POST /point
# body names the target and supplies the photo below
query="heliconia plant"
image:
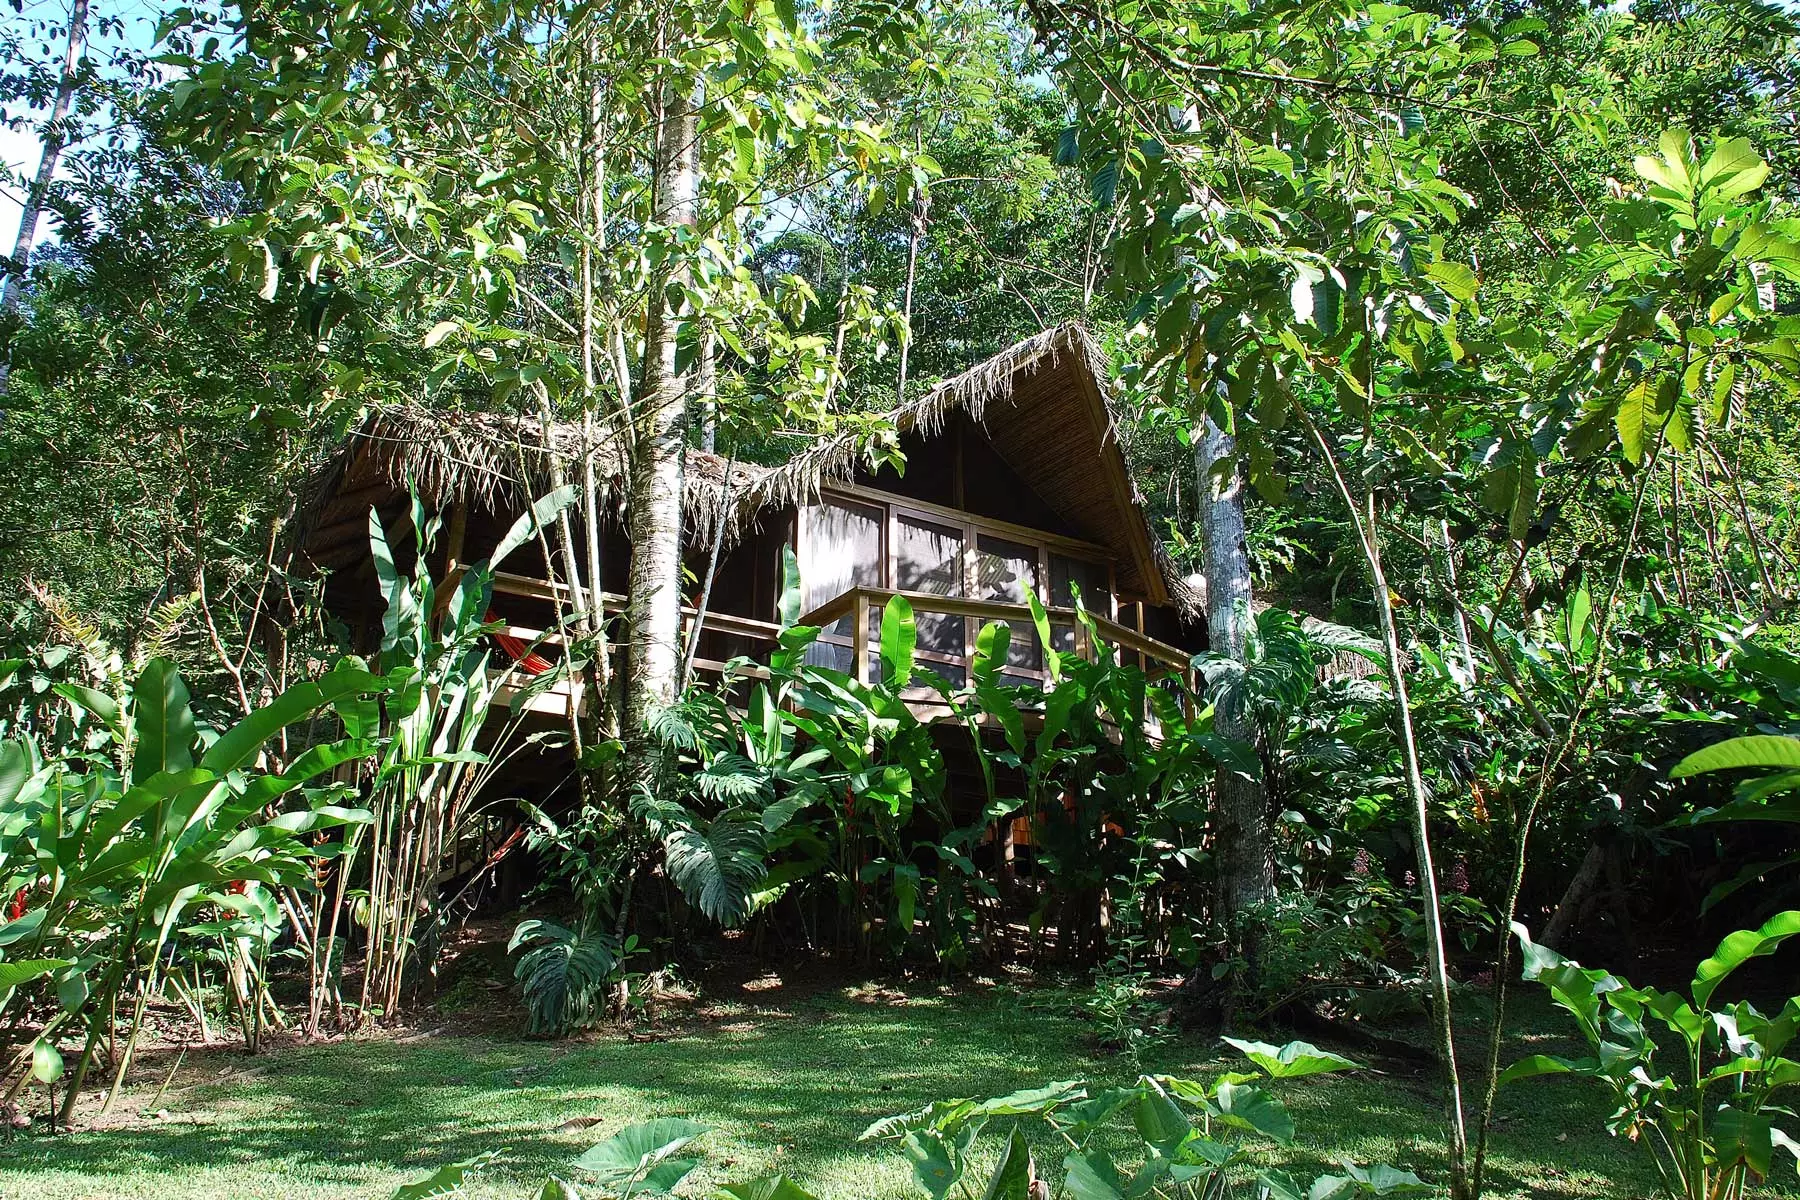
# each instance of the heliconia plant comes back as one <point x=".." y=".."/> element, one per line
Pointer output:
<point x="112" y="854"/>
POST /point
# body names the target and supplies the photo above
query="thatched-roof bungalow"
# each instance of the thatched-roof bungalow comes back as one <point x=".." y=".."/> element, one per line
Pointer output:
<point x="1014" y="476"/>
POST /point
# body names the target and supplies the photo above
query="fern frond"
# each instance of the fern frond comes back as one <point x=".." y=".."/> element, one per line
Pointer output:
<point x="163" y="627"/>
<point x="104" y="663"/>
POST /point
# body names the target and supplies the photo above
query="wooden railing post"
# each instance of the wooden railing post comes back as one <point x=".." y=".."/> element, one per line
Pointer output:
<point x="860" y="633"/>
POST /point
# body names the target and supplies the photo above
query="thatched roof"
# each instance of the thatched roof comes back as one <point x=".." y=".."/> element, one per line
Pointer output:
<point x="1041" y="402"/>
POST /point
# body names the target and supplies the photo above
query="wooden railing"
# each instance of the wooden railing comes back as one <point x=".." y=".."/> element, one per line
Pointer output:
<point x="1159" y="658"/>
<point x="508" y="584"/>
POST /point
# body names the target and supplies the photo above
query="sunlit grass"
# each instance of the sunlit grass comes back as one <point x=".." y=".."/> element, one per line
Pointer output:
<point x="789" y="1083"/>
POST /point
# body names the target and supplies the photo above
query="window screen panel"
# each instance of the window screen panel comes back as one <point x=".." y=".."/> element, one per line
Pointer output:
<point x="843" y="551"/>
<point x="928" y="558"/>
<point x="1004" y="570"/>
<point x="1066" y="575"/>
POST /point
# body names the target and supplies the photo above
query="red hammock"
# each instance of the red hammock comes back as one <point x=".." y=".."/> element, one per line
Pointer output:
<point x="529" y="661"/>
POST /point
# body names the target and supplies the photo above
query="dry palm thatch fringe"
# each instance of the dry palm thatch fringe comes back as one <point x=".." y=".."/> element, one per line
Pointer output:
<point x="500" y="460"/>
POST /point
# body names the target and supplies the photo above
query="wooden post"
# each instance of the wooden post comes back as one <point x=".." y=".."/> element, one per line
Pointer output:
<point x="860" y="634"/>
<point x="453" y="537"/>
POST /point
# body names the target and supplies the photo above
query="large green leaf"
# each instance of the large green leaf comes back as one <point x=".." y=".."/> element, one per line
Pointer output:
<point x="633" y="1152"/>
<point x="1739" y="948"/>
<point x="1014" y="1172"/>
<point x="1740" y="1136"/>
<point x="1032" y="1101"/>
<point x="720" y="866"/>
<point x="1092" y="1176"/>
<point x="102" y="706"/>
<point x="932" y="1162"/>
<point x="773" y="1187"/>
<point x="447" y="1180"/>
<point x="788" y="610"/>
<point x="1292" y="1061"/>
<point x="543" y="510"/>
<point x="1534" y="1065"/>
<point x="991" y="645"/>
<point x="1757" y="750"/>
<point x="239" y="744"/>
<point x="899" y="638"/>
<point x="14" y="975"/>
<point x="1158" y="1119"/>
<point x="1250" y="1106"/>
<point x="163" y="719"/>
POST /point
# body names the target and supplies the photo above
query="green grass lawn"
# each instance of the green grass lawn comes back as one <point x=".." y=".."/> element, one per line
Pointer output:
<point x="789" y="1081"/>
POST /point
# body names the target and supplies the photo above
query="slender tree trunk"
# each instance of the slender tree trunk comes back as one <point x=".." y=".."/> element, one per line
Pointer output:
<point x="659" y="431"/>
<point x="55" y="138"/>
<point x="1363" y="518"/>
<point x="1246" y="875"/>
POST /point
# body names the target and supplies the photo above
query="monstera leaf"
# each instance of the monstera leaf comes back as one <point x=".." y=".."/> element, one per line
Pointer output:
<point x="718" y="866"/>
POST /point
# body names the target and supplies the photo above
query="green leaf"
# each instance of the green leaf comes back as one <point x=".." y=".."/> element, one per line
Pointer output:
<point x="1637" y="421"/>
<point x="1092" y="1176"/>
<point x="931" y="1162"/>
<point x="1014" y="1172"/>
<point x="1733" y="169"/>
<point x="1757" y="750"/>
<point x="1294" y="1060"/>
<point x="1159" y="1120"/>
<point x="631" y="1153"/>
<point x="772" y="1187"/>
<point x="991" y="645"/>
<point x="1456" y="279"/>
<point x="447" y="1180"/>
<point x="104" y="707"/>
<point x="1546" y="1064"/>
<point x="899" y="638"/>
<point x="1250" y="1106"/>
<point x="789" y="607"/>
<point x="1740" y="1136"/>
<point x="1739" y="948"/>
<point x="46" y="1061"/>
<point x="543" y="511"/>
<point x="16" y="974"/>
<point x="1032" y="1101"/>
<point x="164" y="721"/>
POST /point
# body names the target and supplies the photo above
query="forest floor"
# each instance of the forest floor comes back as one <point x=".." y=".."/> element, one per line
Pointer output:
<point x="788" y="1073"/>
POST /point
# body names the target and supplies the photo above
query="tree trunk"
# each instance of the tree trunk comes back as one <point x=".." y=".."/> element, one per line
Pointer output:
<point x="659" y="428"/>
<point x="55" y="138"/>
<point x="1246" y="875"/>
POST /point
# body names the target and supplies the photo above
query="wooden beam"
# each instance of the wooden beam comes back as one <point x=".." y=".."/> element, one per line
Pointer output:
<point x="860" y="654"/>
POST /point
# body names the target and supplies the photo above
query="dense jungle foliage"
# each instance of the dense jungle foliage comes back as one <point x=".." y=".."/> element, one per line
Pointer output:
<point x="1456" y="354"/>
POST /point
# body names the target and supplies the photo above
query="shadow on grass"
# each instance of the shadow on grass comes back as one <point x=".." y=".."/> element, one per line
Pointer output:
<point x="787" y="1087"/>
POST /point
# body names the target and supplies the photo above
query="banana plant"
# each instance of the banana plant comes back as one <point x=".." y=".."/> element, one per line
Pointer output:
<point x="1709" y="1125"/>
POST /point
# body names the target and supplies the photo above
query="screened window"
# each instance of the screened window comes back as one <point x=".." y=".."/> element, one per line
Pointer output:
<point x="843" y="551"/>
<point x="1004" y="569"/>
<point x="1067" y="575"/>
<point x="928" y="558"/>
